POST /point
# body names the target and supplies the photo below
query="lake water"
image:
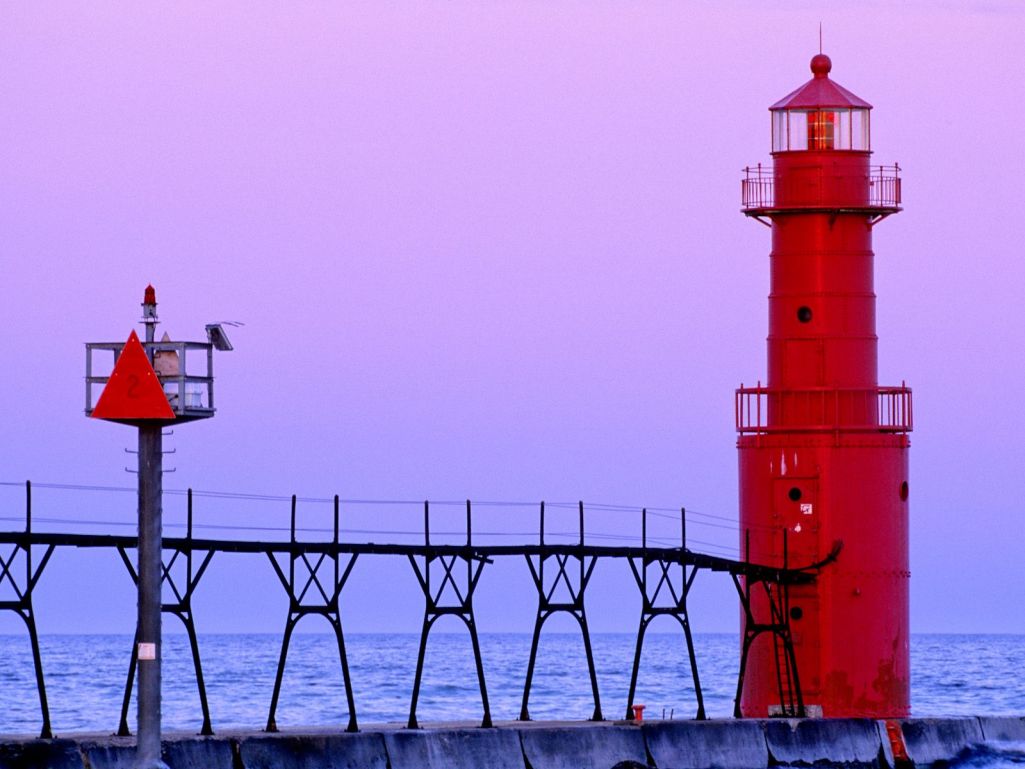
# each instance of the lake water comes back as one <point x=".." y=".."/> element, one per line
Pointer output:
<point x="85" y="676"/>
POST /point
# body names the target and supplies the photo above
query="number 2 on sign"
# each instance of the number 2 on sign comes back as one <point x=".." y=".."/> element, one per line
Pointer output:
<point x="133" y="386"/>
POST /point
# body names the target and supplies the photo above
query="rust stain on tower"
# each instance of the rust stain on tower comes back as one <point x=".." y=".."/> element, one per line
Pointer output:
<point x="823" y="448"/>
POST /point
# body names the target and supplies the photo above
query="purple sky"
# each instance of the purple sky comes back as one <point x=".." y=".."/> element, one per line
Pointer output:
<point x="492" y="251"/>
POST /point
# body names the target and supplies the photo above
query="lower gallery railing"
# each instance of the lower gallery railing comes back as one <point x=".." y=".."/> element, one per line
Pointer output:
<point x="764" y="410"/>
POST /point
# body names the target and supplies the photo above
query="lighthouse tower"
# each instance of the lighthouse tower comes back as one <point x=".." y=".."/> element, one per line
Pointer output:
<point x="823" y="448"/>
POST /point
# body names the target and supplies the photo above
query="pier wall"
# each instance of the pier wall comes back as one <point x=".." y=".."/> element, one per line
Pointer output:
<point x="716" y="744"/>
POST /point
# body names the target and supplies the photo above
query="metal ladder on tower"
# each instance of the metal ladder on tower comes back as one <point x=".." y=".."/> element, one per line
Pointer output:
<point x="789" y="697"/>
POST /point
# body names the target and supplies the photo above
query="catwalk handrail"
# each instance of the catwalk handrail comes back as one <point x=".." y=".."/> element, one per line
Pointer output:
<point x="793" y="575"/>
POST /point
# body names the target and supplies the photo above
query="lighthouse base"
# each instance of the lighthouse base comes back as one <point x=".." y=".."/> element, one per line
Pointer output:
<point x="849" y="627"/>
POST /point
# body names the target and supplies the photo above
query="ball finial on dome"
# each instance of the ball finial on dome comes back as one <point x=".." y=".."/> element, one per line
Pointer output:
<point x="821" y="65"/>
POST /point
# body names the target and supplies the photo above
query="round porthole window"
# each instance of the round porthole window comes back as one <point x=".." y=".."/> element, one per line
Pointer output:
<point x="804" y="314"/>
<point x="794" y="494"/>
<point x="796" y="612"/>
<point x="904" y="491"/>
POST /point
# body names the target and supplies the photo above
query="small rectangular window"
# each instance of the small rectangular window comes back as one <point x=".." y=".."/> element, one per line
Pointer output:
<point x="843" y="129"/>
<point x="779" y="131"/>
<point x="859" y="129"/>
<point x="798" y="124"/>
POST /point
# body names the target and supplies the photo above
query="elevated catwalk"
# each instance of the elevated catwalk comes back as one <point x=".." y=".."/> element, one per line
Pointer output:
<point x="314" y="574"/>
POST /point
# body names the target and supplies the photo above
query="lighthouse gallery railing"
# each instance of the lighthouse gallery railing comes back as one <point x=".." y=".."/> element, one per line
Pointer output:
<point x="763" y="410"/>
<point x="758" y="188"/>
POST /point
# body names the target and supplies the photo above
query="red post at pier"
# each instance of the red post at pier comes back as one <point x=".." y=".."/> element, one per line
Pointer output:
<point x="823" y="449"/>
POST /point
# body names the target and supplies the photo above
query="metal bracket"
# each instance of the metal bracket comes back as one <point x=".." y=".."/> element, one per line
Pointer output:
<point x="676" y="607"/>
<point x="776" y="592"/>
<point x="451" y="598"/>
<point x="22" y="605"/>
<point x="546" y="606"/>
<point x="323" y="602"/>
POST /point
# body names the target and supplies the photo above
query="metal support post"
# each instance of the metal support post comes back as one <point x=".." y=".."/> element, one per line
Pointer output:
<point x="570" y="600"/>
<point x="667" y="598"/>
<point x="775" y="592"/>
<point x="151" y="462"/>
<point x="453" y="598"/>
<point x="311" y="592"/>
<point x="21" y="603"/>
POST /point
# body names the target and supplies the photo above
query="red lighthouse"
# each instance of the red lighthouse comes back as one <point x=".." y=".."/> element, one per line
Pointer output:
<point x="823" y="449"/>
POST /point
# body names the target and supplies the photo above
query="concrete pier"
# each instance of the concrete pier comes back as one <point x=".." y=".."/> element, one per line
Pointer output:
<point x="715" y="744"/>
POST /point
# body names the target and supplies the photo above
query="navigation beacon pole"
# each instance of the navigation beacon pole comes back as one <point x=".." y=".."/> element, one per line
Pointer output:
<point x="150" y="388"/>
<point x="148" y="649"/>
<point x="823" y="449"/>
<point x="150" y="553"/>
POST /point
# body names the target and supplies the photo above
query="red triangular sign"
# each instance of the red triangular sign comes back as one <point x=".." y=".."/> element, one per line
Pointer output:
<point x="133" y="390"/>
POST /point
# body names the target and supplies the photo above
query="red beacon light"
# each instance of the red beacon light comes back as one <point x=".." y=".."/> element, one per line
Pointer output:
<point x="823" y="449"/>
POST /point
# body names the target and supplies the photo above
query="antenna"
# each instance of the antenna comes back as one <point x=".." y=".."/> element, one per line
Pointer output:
<point x="820" y="37"/>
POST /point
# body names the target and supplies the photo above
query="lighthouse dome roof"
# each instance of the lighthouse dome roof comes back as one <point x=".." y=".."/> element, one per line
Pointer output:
<point x="820" y="91"/>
